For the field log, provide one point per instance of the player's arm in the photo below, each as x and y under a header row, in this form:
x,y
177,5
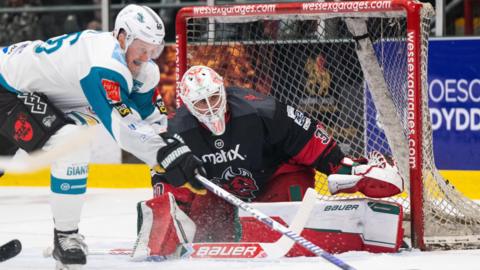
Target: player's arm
x,y
146,103
107,92
308,143
147,100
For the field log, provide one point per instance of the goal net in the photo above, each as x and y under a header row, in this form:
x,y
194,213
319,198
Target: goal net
x,y
358,67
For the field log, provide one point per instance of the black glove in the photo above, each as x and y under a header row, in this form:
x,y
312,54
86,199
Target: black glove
x,y
180,164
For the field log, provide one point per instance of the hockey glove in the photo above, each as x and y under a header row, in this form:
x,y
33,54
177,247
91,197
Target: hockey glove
x,y
375,178
184,194
180,164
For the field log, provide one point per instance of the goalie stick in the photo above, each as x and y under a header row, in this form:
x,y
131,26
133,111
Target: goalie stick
x,y
41,159
234,250
10,250
272,223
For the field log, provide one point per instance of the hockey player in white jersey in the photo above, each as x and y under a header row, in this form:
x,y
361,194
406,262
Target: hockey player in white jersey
x,y
49,89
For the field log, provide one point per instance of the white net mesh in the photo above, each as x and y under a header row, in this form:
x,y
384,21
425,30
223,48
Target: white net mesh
x,y
312,62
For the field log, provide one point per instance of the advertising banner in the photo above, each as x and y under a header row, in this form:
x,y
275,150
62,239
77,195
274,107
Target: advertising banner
x,y
454,101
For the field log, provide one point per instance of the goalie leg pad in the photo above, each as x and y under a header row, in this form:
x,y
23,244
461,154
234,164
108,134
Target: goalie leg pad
x,y
163,226
335,226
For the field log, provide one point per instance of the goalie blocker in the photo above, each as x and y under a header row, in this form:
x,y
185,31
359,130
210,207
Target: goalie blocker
x,y
336,226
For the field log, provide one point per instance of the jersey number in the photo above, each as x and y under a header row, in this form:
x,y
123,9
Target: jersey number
x,y
55,43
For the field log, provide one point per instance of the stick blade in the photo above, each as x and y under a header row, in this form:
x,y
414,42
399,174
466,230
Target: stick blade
x,y
10,250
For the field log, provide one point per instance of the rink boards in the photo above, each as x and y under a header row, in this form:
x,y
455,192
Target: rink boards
x,y
454,94
138,176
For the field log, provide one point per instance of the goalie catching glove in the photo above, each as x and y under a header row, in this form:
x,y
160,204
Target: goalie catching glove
x,y
375,178
179,163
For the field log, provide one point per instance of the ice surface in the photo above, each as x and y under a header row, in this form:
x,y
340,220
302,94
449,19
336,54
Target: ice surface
x,y
109,221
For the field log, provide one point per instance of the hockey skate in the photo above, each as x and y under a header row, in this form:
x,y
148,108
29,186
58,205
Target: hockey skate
x,y
69,251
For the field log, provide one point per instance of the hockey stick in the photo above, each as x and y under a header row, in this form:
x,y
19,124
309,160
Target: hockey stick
x,y
284,244
234,250
10,250
41,159
272,223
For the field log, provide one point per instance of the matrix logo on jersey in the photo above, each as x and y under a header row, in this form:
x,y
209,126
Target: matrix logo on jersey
x,y
240,183
298,117
223,156
112,90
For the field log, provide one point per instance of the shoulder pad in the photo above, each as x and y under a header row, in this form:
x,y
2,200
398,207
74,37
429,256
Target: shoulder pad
x,y
182,121
104,52
245,101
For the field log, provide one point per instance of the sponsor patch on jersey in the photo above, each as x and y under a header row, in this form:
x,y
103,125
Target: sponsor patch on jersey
x,y
219,144
161,105
112,90
298,117
223,156
122,109
48,120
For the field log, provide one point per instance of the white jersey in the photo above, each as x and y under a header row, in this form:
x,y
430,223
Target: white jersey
x,y
85,75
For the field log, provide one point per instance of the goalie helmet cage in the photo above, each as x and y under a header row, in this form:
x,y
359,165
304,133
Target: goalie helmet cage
x,y
358,67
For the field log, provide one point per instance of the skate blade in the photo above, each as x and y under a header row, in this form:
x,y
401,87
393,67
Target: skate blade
x,y
61,266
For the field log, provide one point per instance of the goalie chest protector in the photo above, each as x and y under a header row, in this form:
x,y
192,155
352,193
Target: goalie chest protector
x,y
243,158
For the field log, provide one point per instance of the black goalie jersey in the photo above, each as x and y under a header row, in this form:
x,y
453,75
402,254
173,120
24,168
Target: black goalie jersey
x,y
261,134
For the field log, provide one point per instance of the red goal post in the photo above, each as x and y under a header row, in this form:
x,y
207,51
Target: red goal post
x,y
343,63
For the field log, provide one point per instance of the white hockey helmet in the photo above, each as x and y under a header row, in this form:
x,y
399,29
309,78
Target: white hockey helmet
x,y
140,22
203,92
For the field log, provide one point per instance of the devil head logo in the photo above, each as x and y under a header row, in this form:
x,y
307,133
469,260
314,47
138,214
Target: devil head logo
x,y
239,182
23,129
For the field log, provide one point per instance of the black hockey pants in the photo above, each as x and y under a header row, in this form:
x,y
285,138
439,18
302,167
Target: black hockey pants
x,y
7,102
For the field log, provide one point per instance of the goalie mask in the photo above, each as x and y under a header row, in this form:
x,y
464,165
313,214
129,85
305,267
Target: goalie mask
x,y
203,93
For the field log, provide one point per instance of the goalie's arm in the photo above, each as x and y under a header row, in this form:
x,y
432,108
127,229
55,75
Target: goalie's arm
x,y
308,143
300,140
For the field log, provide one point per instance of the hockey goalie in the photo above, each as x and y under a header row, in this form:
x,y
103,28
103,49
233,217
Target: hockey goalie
x,y
266,153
